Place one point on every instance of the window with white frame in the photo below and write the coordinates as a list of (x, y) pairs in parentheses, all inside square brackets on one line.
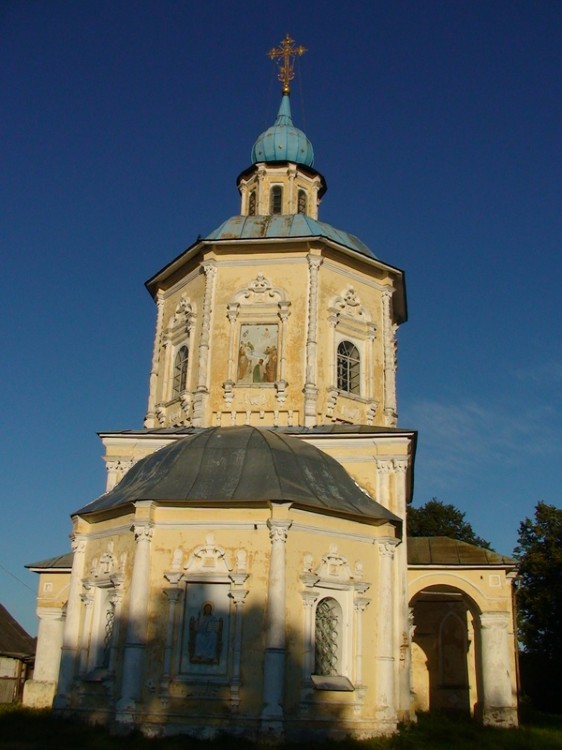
[(348, 366)]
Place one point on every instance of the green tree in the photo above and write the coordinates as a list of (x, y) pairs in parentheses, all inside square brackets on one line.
[(539, 595), (442, 519)]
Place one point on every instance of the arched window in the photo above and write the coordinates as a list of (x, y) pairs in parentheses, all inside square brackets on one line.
[(276, 199), (252, 204), (348, 368), (327, 638), (180, 371), (302, 202)]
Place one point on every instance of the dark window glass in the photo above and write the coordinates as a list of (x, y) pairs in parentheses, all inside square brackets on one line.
[(276, 199), (180, 371), (348, 366)]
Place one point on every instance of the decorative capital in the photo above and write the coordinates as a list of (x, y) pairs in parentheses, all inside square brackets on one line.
[(78, 544), (386, 547), (494, 620), (309, 599), (238, 596), (278, 530), (143, 532), (314, 262), (172, 595)]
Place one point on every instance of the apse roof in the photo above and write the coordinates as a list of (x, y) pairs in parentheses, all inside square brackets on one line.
[(442, 550), (244, 466), (283, 226)]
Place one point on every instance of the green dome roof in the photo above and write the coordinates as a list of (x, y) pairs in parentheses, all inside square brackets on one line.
[(283, 141)]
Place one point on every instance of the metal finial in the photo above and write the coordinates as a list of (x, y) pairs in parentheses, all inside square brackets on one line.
[(285, 55)]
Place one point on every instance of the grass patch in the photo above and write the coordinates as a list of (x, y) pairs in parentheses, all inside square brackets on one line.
[(29, 729)]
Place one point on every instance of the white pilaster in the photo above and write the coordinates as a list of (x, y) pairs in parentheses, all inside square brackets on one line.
[(499, 704), (311, 386), (274, 657), (150, 419), (202, 390), (136, 625), (385, 709), (238, 596), (389, 354), (71, 637), (39, 692)]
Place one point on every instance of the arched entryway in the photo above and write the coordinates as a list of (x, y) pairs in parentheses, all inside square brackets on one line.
[(445, 651)]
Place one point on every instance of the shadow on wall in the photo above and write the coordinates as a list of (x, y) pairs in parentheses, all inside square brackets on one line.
[(445, 652), (200, 671)]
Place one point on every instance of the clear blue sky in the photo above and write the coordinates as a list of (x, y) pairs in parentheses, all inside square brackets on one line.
[(437, 124)]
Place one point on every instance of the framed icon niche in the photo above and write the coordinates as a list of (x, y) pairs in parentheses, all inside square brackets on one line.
[(258, 353), (258, 317)]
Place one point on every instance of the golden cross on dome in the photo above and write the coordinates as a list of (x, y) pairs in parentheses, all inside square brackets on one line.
[(285, 56)]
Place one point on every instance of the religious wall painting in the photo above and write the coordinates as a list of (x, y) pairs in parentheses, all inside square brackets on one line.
[(258, 353), (206, 629)]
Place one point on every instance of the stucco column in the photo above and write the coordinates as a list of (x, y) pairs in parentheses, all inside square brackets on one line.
[(202, 390), (359, 605), (311, 386), (150, 419), (498, 706), (385, 662), (274, 657), (238, 596), (71, 637), (389, 356), (384, 470), (39, 692), (136, 626), (88, 606)]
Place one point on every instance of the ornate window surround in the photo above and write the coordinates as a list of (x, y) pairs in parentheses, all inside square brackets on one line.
[(350, 321), (102, 599), (176, 335), (207, 565), (259, 303), (333, 579)]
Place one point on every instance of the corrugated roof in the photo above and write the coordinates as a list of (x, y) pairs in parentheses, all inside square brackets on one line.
[(441, 550), (14, 640)]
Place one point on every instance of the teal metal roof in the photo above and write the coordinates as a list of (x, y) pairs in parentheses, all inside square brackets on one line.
[(282, 226), (283, 141)]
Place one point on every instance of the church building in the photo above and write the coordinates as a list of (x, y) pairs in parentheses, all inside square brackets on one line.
[(247, 569)]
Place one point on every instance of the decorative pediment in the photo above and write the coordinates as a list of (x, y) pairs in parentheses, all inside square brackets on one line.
[(259, 291), (349, 304), (208, 558), (334, 566), (333, 571)]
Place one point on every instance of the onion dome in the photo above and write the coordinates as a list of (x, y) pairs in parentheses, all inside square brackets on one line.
[(283, 141)]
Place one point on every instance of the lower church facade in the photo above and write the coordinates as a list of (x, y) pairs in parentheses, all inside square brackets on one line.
[(248, 569)]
